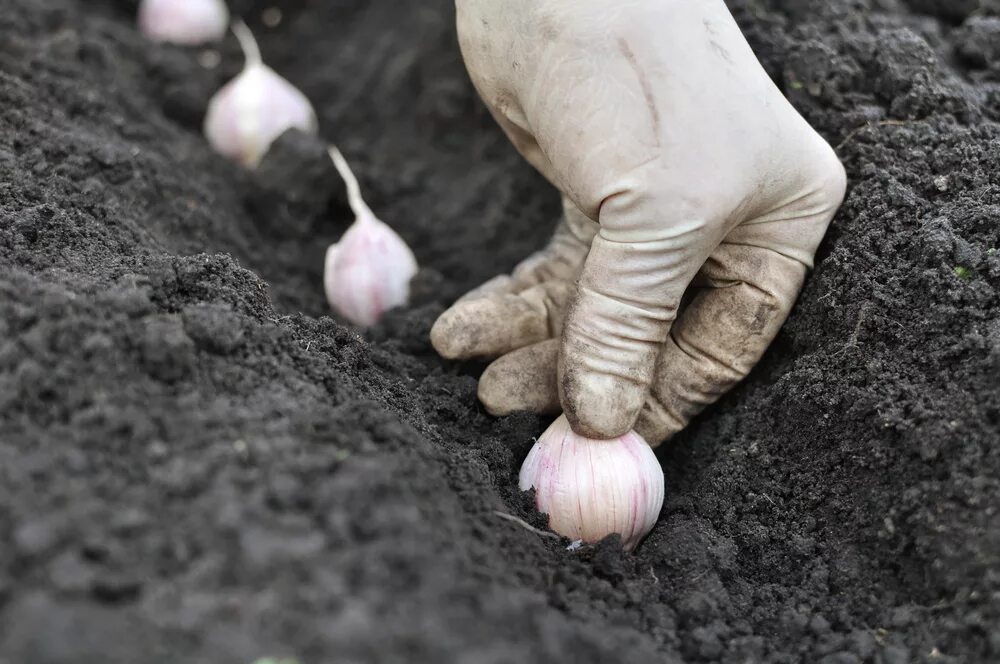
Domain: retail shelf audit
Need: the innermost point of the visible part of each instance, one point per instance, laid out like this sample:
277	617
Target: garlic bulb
593	488
369	271
184	22
255	108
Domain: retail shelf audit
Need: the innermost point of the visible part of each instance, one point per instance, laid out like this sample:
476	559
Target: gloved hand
682	168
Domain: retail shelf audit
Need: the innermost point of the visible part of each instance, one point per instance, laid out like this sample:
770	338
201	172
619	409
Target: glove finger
566	252
498	285
493	325
523	380
627	300
721	335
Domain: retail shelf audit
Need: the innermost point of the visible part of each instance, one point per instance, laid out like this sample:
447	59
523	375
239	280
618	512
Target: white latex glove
680	164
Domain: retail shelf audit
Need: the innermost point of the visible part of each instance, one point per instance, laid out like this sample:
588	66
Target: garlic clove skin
252	111
368	272
255	108
184	22
593	488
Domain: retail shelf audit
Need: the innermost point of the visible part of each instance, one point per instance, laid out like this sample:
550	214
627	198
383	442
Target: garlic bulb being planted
593	488
184	22
369	271
255	108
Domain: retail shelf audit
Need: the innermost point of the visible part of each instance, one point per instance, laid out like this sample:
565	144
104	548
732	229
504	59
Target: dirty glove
682	169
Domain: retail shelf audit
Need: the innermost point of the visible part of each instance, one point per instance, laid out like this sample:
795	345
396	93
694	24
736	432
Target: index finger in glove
512	311
498	323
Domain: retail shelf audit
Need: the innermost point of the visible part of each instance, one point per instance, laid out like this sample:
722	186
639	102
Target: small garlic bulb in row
255	108
593	488
184	22
369	271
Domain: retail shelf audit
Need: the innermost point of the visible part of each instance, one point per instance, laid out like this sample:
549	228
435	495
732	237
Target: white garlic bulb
184	22
369	271
593	488
255	108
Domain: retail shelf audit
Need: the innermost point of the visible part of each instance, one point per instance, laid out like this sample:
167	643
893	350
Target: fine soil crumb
199	464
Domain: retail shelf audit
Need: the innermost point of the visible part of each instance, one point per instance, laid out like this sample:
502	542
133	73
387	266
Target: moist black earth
198	463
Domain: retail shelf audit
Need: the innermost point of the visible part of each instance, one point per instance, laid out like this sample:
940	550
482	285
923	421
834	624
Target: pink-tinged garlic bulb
369	271
255	108
184	22
593	488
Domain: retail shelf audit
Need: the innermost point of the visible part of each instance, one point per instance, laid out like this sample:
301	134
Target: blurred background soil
198	464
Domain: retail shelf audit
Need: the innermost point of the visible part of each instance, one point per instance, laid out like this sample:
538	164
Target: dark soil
197	464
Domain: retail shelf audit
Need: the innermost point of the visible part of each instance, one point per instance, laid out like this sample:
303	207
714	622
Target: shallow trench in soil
199	464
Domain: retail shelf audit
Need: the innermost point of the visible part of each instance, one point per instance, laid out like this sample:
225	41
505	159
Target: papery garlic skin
255	108
252	111
184	22
369	271
593	488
